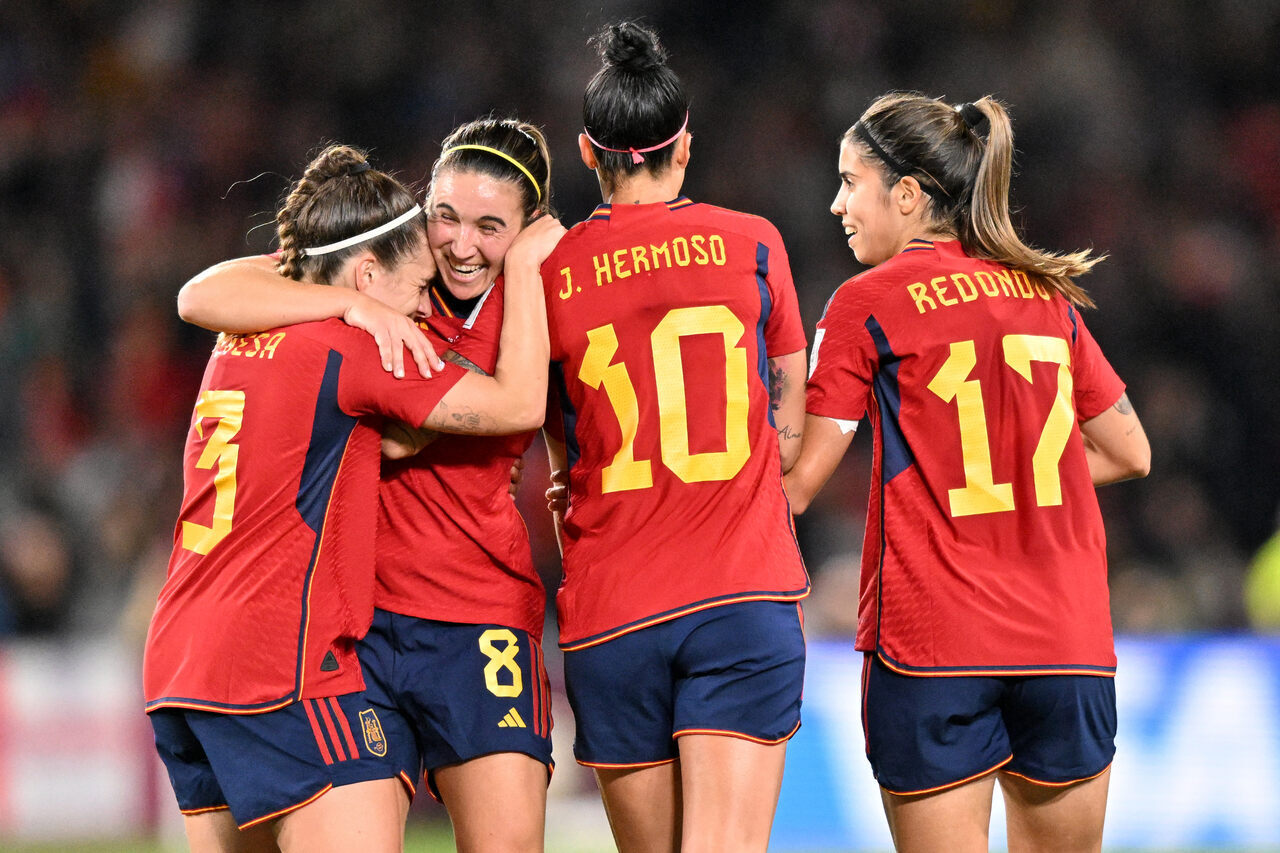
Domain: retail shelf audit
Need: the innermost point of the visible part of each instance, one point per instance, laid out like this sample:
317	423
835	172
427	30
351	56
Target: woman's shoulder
861	293
876	279
735	219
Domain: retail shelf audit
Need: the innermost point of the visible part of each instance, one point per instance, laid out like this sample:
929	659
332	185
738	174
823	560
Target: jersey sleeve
1097	386
842	362
784	330
366	389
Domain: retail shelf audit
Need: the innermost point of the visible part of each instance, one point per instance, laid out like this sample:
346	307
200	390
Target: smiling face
875	225
472	220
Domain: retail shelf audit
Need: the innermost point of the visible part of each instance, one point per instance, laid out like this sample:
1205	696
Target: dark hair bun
628	46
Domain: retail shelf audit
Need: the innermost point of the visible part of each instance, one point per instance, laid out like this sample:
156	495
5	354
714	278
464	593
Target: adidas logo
512	721
329	664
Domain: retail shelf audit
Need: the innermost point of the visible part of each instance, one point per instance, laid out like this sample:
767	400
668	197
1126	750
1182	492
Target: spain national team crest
374	739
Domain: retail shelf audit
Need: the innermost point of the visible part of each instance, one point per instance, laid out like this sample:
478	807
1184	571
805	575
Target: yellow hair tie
505	156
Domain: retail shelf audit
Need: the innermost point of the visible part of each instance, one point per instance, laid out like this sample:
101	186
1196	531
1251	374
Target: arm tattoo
467	420
777	382
1123	406
787	432
463	362
463	419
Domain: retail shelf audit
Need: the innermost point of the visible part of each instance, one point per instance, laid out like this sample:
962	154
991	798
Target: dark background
131	135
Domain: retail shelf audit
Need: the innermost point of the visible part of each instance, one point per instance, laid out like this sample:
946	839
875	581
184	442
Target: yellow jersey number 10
625	472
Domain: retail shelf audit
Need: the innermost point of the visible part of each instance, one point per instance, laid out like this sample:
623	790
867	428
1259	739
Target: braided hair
341	195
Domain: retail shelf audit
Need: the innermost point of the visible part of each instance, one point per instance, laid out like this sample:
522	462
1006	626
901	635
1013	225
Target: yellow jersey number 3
227	407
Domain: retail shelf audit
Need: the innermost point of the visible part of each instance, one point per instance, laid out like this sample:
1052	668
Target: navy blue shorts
925	733
464	690
262	766
734	669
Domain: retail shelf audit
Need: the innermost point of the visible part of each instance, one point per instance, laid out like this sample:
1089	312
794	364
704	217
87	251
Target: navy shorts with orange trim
926	733
262	766
465	690
734	669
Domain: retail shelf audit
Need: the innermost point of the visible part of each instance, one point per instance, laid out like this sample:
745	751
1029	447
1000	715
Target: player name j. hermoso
695	250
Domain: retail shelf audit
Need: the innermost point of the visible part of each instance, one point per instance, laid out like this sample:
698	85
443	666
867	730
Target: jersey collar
603	210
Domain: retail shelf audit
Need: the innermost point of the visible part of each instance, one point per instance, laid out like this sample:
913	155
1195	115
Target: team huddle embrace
352	609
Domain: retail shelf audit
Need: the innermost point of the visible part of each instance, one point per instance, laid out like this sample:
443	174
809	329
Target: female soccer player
455	645
983	610
677	356
251	674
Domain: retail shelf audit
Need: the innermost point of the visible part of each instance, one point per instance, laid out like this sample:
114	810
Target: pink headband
637	152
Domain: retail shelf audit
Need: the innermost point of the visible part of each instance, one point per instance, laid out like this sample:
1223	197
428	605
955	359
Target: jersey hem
995	669
1045	784
949	785
733	598
428	774
223	707
740	735
204	810
284	811
408	784
633	765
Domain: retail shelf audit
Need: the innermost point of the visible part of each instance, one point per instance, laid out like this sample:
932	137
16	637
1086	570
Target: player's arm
400	441
514	399
825	443
786	402
1116	445
247	295
558	493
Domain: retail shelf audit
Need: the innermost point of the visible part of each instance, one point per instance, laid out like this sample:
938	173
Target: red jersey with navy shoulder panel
662	318
984	550
451	544
271	579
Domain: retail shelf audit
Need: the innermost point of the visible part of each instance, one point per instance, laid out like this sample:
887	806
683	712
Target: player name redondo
698	250
944	291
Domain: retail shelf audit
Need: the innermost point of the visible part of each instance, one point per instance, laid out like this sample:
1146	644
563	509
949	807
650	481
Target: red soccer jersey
984	549
451	544
271	579
662	318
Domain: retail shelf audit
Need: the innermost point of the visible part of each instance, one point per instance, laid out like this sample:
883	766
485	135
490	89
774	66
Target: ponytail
963	158
988	230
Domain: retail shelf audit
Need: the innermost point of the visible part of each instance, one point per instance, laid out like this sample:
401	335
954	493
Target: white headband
368	235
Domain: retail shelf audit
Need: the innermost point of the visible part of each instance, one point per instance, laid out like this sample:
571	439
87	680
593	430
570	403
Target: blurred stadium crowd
131	134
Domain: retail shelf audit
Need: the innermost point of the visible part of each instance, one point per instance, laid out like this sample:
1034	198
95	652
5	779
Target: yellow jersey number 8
625	472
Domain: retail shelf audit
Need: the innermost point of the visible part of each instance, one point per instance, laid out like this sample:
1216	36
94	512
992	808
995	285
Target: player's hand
535	243
558	494
400	441
517	475
393	332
